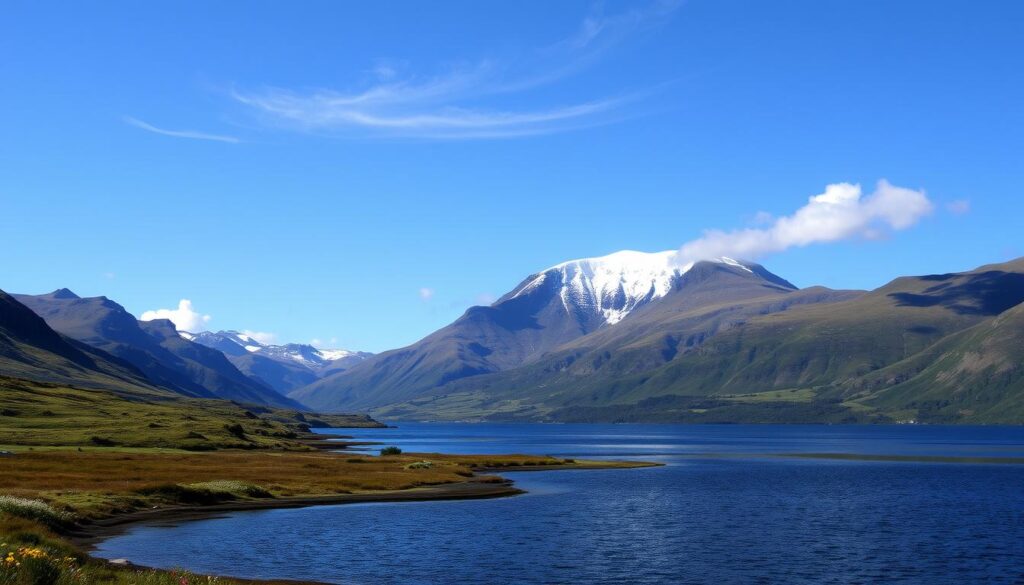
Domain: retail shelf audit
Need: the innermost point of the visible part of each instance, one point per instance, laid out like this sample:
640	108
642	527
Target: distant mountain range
154	348
632	337
281	367
627	337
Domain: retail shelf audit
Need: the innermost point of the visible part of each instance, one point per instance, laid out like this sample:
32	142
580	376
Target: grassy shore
78	465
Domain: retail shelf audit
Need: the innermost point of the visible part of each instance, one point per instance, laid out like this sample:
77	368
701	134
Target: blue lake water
720	511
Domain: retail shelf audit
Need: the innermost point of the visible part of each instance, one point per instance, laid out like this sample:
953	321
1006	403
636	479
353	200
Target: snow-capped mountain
612	286
547	310
282	367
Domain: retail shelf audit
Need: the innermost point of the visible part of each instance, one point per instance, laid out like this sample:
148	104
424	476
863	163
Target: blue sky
361	172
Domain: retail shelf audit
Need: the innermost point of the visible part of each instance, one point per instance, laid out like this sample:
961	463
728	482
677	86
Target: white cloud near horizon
261	336
185	318
191	134
448	105
842	212
320	344
426	293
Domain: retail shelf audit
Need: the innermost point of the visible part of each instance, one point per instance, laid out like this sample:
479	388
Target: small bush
420	465
390	451
34	510
236	430
180	494
232	487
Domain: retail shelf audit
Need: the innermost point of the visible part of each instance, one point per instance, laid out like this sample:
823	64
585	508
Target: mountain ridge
153	347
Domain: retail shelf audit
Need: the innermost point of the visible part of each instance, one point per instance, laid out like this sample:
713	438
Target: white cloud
959	207
485	299
261	336
448	105
180	133
840	213
320	344
426	293
185	318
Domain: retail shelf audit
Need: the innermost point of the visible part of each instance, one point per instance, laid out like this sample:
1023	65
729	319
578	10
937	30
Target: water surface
722	510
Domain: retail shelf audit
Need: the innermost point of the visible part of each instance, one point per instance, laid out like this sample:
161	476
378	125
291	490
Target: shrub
236	430
232	487
420	465
390	451
180	494
34	510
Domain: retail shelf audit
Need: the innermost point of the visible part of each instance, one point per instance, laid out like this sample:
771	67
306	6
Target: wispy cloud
452	104
426	294
191	134
842	212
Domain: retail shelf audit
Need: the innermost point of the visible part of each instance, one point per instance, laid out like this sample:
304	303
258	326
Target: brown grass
96	483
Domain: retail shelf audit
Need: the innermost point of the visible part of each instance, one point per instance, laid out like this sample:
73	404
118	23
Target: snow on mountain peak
335	354
236	341
616	284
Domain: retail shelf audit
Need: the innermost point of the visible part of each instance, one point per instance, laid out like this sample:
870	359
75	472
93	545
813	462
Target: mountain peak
63	293
614	285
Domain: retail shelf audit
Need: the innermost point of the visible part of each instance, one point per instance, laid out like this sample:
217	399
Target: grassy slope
976	375
41	414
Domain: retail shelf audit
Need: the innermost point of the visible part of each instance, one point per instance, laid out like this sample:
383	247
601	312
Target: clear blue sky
306	169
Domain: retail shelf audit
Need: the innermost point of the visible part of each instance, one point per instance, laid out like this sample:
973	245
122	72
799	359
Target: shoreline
87	536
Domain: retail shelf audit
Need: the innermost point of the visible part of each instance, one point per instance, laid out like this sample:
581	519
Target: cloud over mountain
842	212
185	318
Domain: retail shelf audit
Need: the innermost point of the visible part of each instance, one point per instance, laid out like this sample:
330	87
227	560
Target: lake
724	509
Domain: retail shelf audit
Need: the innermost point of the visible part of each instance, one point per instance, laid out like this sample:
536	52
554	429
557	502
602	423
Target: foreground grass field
74	461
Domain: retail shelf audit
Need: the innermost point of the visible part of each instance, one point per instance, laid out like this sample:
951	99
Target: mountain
548	310
935	348
281	367
30	349
153	347
725	342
